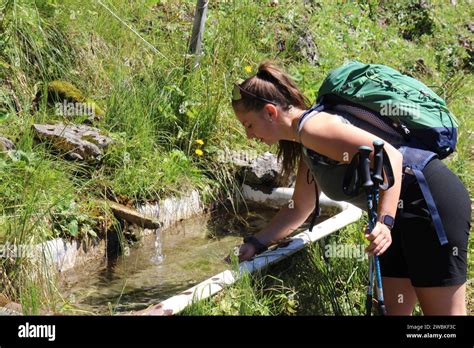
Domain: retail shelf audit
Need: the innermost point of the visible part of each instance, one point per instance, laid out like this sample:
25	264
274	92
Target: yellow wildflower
199	152
248	69
199	142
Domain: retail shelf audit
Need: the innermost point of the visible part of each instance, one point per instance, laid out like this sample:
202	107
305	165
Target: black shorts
416	252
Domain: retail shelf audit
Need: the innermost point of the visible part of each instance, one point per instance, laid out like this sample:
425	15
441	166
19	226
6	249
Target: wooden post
198	29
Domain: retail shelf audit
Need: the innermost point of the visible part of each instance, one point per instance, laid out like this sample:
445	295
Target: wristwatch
259	246
388	221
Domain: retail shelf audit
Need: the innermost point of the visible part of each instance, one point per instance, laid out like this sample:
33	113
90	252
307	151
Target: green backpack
406	104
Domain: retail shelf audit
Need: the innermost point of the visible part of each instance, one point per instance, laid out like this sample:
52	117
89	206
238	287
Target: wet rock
77	142
6	144
263	173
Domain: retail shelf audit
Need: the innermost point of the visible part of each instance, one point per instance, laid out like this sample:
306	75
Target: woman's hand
246	251
380	239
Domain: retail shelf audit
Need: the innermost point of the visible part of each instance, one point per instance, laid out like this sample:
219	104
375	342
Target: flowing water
181	257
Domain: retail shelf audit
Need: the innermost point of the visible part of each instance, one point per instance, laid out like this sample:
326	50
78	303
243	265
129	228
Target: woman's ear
271	112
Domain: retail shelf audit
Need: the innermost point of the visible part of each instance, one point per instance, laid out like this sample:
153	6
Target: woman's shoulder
323	121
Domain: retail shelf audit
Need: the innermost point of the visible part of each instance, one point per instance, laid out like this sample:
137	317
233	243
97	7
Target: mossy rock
59	91
62	90
96	110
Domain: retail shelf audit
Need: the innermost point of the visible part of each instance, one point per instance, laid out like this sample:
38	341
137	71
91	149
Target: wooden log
132	216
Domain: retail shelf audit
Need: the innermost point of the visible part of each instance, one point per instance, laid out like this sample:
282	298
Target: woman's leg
399	296
439	272
436	273
448	300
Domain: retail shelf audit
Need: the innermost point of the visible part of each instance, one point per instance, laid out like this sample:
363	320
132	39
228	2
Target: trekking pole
372	191
367	183
378	181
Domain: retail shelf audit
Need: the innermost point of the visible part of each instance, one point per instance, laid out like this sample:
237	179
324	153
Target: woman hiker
413	263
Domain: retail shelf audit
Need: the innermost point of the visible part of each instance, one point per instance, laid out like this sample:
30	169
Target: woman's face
260	125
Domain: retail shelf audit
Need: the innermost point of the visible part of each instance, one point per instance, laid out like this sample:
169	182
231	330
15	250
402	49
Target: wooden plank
132	216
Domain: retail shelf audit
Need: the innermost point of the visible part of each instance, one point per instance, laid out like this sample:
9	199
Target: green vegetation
155	107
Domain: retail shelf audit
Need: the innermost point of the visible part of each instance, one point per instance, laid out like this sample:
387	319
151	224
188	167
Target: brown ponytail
272	83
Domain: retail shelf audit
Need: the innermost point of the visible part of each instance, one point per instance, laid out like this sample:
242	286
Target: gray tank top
329	174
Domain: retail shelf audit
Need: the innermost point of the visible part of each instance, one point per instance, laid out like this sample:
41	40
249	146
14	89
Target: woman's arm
289	218
328	136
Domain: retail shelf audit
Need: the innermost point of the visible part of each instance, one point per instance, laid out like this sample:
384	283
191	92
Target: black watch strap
259	246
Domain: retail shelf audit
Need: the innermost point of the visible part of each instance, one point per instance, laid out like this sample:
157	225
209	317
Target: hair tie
264	75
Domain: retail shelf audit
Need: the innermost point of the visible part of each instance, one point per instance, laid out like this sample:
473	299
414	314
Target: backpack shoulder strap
414	161
306	116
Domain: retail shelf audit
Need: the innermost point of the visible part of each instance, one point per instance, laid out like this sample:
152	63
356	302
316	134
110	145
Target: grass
249	295
157	107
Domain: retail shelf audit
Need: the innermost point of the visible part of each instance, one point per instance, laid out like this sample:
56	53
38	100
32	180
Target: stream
191	251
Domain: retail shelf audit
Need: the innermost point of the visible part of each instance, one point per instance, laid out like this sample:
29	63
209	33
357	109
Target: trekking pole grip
364	152
378	162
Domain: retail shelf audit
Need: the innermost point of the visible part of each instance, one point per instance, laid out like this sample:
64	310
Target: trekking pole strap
387	172
317	206
351	181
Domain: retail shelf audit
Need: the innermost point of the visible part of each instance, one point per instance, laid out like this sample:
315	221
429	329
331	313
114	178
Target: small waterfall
158	257
169	211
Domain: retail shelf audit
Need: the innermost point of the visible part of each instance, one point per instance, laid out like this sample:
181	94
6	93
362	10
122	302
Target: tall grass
249	295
